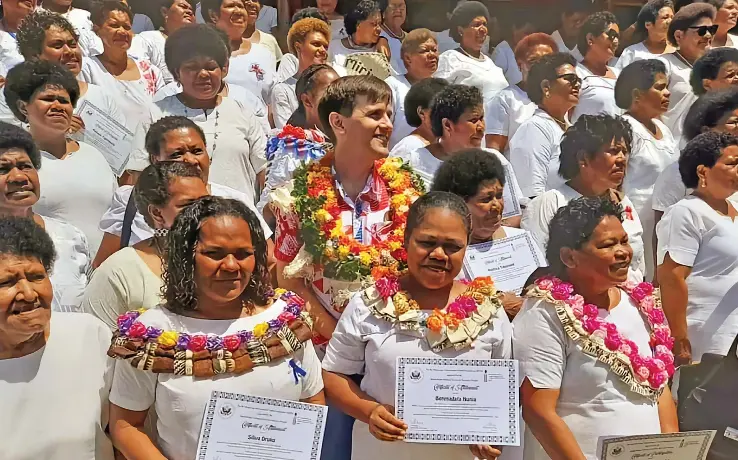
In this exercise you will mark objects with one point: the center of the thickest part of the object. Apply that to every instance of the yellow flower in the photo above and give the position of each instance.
(337, 230)
(141, 310)
(365, 258)
(398, 200)
(168, 339)
(279, 291)
(329, 252)
(322, 216)
(395, 245)
(343, 252)
(374, 253)
(261, 329)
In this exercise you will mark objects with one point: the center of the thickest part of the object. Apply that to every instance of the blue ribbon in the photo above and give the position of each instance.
(297, 371)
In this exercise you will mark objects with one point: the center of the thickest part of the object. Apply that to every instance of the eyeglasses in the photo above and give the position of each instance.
(702, 30)
(571, 78)
(612, 34)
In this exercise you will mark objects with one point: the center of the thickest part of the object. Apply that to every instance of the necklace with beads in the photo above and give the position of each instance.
(481, 57)
(213, 111)
(392, 34)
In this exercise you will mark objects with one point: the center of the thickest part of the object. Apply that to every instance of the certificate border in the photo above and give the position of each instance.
(707, 442)
(216, 395)
(465, 438)
(119, 125)
(509, 177)
(488, 244)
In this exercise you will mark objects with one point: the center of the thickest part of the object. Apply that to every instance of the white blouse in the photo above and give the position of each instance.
(596, 95)
(556, 35)
(254, 71)
(460, 69)
(678, 72)
(284, 101)
(72, 263)
(504, 113)
(637, 52)
(149, 45)
(400, 128)
(669, 188)
(395, 46)
(408, 145)
(504, 57)
(696, 236)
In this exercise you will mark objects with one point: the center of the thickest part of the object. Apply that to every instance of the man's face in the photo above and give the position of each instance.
(368, 128)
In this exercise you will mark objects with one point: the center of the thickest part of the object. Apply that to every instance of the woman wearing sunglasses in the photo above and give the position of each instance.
(691, 31)
(726, 19)
(598, 41)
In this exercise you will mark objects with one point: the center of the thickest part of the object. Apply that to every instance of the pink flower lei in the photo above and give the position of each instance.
(652, 370)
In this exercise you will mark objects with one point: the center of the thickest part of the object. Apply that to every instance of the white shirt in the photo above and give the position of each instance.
(556, 35)
(9, 54)
(149, 45)
(678, 72)
(55, 400)
(593, 401)
(504, 113)
(180, 401)
(695, 235)
(669, 188)
(72, 263)
(337, 29)
(268, 41)
(460, 69)
(395, 46)
(362, 344)
(400, 128)
(408, 145)
(534, 154)
(596, 95)
(284, 101)
(254, 71)
(537, 219)
(77, 190)
(287, 67)
(637, 52)
(445, 42)
(504, 57)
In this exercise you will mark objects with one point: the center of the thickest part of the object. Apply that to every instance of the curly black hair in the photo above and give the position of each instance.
(22, 237)
(32, 31)
(362, 11)
(451, 103)
(640, 75)
(573, 225)
(467, 171)
(28, 78)
(14, 137)
(650, 14)
(708, 111)
(101, 11)
(595, 25)
(708, 66)
(545, 69)
(588, 137)
(152, 186)
(434, 200)
(179, 273)
(463, 15)
(687, 16)
(309, 12)
(159, 129)
(704, 150)
(192, 41)
(420, 96)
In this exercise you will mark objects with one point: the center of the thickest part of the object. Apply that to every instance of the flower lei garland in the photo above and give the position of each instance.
(646, 375)
(340, 255)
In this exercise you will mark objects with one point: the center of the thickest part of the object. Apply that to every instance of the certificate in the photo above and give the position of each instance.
(510, 197)
(458, 401)
(691, 445)
(255, 428)
(509, 261)
(107, 135)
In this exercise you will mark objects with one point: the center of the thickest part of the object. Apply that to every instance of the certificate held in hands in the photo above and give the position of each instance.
(104, 133)
(255, 428)
(690, 445)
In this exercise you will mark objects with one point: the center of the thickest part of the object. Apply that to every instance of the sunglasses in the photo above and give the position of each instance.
(702, 30)
(571, 78)
(612, 34)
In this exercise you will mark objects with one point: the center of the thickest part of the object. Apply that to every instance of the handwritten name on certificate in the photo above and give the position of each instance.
(509, 261)
(104, 133)
(254, 428)
(691, 445)
(458, 401)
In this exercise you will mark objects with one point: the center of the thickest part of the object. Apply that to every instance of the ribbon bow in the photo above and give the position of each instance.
(297, 371)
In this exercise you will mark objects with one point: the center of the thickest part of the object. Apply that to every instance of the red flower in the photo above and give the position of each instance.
(400, 254)
(137, 330)
(231, 342)
(197, 343)
(292, 131)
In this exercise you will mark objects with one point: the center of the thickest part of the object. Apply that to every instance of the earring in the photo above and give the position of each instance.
(546, 94)
(161, 232)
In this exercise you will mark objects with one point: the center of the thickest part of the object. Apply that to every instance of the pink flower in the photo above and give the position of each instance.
(670, 370)
(575, 301)
(613, 342)
(656, 316)
(648, 304)
(630, 285)
(589, 325)
(625, 349)
(562, 291)
(578, 311)
(642, 373)
(663, 336)
(590, 310)
(467, 303)
(646, 287)
(611, 328)
(637, 362)
(657, 379)
(545, 284)
(457, 310)
(638, 294)
(633, 346)
(286, 317)
(600, 334)
(387, 287)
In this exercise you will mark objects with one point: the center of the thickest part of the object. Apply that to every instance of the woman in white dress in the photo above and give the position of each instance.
(257, 36)
(307, 39)
(726, 19)
(363, 35)
(642, 91)
(553, 85)
(19, 160)
(54, 374)
(594, 157)
(369, 338)
(652, 24)
(598, 41)
(330, 9)
(394, 15)
(219, 300)
(504, 113)
(417, 114)
(594, 349)
(78, 182)
(467, 64)
(518, 26)
(574, 13)
(419, 52)
(13, 12)
(697, 256)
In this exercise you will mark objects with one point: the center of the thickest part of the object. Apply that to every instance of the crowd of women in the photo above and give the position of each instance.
(288, 222)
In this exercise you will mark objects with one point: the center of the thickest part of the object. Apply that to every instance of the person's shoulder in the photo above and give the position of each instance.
(91, 152)
(81, 325)
(499, 155)
(224, 191)
(61, 229)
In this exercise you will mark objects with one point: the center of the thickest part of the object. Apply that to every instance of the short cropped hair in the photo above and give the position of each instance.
(531, 41)
(436, 200)
(463, 15)
(159, 129)
(102, 10)
(304, 27)
(412, 41)
(32, 31)
(687, 17)
(309, 12)
(420, 96)
(587, 137)
(15, 137)
(596, 25)
(152, 186)
(703, 150)
(341, 96)
(29, 77)
(708, 110)
(650, 13)
(640, 75)
(360, 13)
(467, 171)
(545, 69)
(22, 237)
(191, 41)
(708, 67)
(451, 103)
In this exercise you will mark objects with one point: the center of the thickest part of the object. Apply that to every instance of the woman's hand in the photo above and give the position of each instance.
(76, 125)
(511, 302)
(383, 424)
(485, 452)
(682, 352)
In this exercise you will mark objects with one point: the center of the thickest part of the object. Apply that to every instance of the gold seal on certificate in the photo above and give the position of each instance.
(691, 445)
(458, 401)
(251, 427)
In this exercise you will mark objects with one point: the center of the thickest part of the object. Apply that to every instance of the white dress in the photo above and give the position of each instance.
(180, 401)
(637, 52)
(254, 71)
(9, 54)
(72, 263)
(395, 45)
(55, 400)
(408, 145)
(284, 101)
(596, 95)
(149, 45)
(460, 69)
(400, 128)
(695, 235)
(593, 401)
(669, 188)
(504, 113)
(504, 57)
(537, 218)
(268, 41)
(77, 190)
(534, 154)
(363, 344)
(556, 35)
(678, 72)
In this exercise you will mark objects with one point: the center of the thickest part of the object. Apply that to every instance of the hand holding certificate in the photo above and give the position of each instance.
(250, 427)
(691, 445)
(104, 133)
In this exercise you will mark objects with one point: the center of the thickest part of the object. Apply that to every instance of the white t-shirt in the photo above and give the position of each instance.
(55, 400)
(400, 128)
(9, 54)
(593, 401)
(395, 46)
(537, 219)
(504, 57)
(77, 190)
(149, 45)
(284, 101)
(287, 67)
(445, 42)
(337, 29)
(596, 95)
(268, 41)
(254, 71)
(180, 401)
(460, 69)
(556, 35)
(534, 154)
(72, 263)
(408, 145)
(362, 344)
(504, 113)
(637, 52)
(695, 235)
(678, 72)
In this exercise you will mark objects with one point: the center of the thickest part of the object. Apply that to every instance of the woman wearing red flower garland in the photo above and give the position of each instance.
(368, 338)
(594, 350)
